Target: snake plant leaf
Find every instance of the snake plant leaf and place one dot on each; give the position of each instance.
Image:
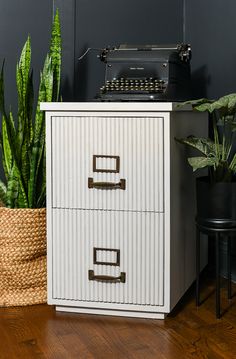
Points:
(19, 85)
(29, 108)
(25, 161)
(12, 189)
(12, 123)
(3, 193)
(27, 133)
(39, 174)
(24, 66)
(15, 174)
(232, 165)
(41, 202)
(3, 159)
(41, 184)
(22, 80)
(6, 149)
(47, 79)
(36, 150)
(20, 202)
(204, 145)
(55, 54)
(201, 162)
(11, 134)
(47, 76)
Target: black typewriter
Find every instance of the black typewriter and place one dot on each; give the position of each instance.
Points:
(146, 73)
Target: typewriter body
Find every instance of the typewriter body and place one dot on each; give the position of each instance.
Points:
(146, 73)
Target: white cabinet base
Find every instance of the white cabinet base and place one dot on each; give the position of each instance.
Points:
(116, 313)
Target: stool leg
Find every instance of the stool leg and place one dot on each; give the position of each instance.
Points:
(217, 275)
(229, 266)
(197, 266)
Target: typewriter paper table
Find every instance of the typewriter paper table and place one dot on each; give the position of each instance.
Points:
(120, 207)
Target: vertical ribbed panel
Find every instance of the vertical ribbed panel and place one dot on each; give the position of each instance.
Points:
(138, 141)
(139, 236)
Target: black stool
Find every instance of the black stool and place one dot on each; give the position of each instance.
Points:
(220, 229)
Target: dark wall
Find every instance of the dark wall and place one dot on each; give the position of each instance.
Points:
(105, 22)
(17, 20)
(210, 29)
(209, 26)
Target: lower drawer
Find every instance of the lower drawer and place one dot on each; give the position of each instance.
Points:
(107, 256)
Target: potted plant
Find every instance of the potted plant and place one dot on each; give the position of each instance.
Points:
(216, 192)
(23, 192)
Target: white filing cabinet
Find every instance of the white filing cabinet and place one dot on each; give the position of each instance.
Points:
(120, 207)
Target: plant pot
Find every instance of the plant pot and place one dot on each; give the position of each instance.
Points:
(22, 256)
(216, 202)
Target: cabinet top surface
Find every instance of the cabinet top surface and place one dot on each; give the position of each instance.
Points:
(114, 106)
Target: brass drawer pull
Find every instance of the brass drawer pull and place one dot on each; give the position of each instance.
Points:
(106, 185)
(106, 278)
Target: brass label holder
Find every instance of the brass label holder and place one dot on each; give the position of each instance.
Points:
(105, 170)
(95, 256)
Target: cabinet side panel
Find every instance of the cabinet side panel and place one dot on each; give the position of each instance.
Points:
(183, 202)
(49, 203)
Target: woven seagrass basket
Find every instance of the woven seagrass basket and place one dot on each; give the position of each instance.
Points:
(22, 256)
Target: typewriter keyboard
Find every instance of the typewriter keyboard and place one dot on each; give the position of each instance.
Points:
(131, 86)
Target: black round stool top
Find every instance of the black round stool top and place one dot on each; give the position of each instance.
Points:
(212, 224)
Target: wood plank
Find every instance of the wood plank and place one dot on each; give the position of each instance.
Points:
(188, 332)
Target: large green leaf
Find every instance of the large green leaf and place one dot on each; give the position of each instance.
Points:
(204, 145)
(201, 162)
(226, 105)
(195, 103)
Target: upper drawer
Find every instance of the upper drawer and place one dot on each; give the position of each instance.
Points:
(110, 163)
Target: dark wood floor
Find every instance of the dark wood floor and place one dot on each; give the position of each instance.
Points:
(40, 332)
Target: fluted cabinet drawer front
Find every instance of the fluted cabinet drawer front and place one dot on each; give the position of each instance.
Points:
(138, 237)
(125, 151)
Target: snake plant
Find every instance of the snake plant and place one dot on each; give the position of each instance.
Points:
(22, 140)
(218, 153)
